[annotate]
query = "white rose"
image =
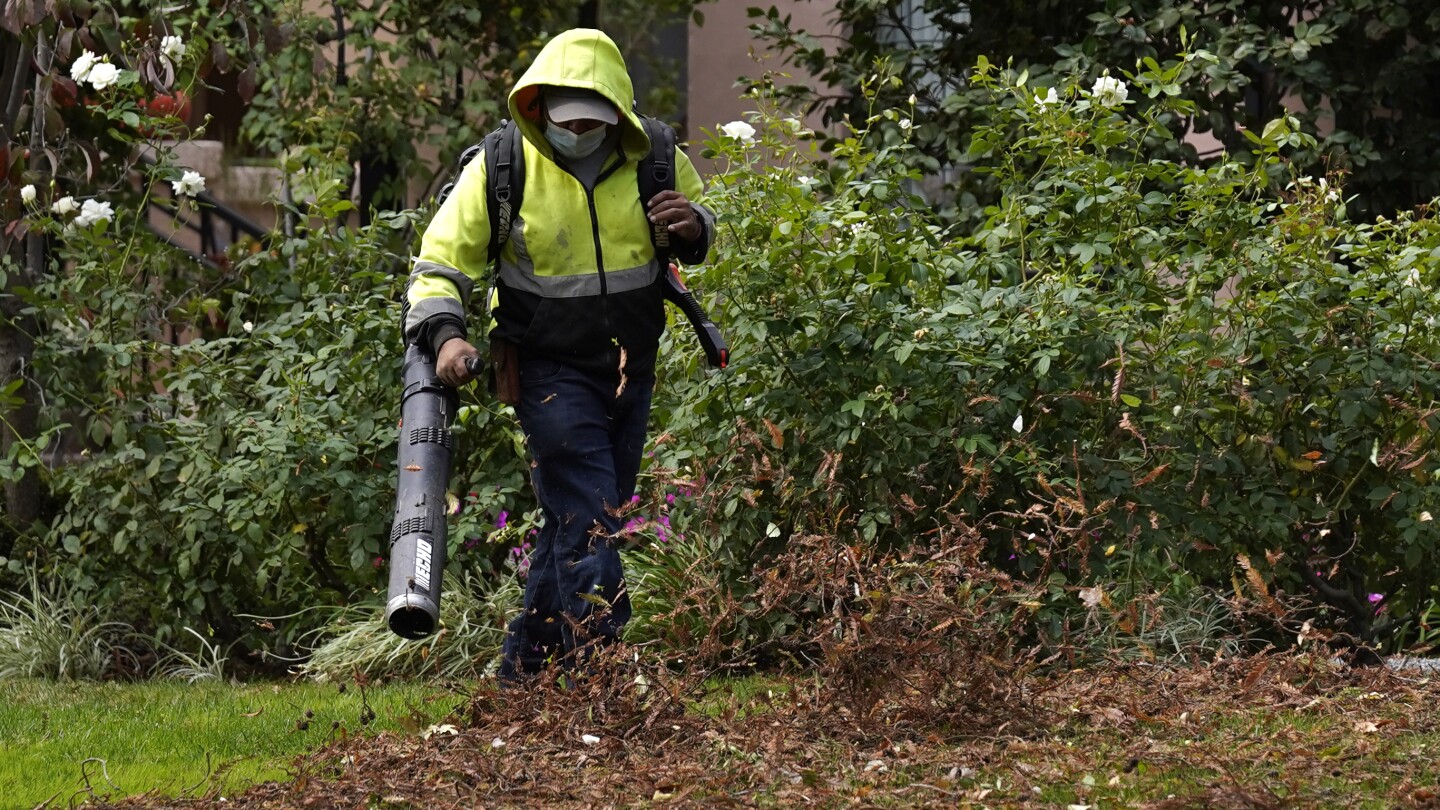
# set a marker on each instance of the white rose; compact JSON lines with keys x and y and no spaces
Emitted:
{"x":189,"y":184}
{"x":173,"y":47}
{"x":1048,"y":99}
{"x":1109,"y":91}
{"x":64,"y":206}
{"x":27,"y":195}
{"x":740,"y":131}
{"x":103,"y":75}
{"x":80,"y":69}
{"x":94,"y":211}
{"x":905,"y":123}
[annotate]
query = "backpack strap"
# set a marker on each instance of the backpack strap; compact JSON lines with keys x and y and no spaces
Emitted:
{"x":504,"y":183}
{"x":656,"y":174}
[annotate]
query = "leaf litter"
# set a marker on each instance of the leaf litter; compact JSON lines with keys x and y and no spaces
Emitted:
{"x":914,"y":685}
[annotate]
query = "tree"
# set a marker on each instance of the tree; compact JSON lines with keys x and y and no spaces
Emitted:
{"x":1358,"y":74}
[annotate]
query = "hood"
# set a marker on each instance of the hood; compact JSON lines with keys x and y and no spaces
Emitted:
{"x":587,"y":59}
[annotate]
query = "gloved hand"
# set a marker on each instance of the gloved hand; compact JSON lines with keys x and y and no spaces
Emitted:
{"x":673,"y":209}
{"x":450,"y":364}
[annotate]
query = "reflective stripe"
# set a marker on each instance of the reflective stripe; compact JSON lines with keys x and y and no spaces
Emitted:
{"x":579,"y":285}
{"x":429,"y":307}
{"x":462,"y":282}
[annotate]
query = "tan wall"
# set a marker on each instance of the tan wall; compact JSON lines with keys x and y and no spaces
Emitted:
{"x":722,"y":50}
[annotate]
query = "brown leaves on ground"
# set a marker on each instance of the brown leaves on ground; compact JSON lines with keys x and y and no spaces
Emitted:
{"x":1272,"y":732}
{"x":911,"y":688}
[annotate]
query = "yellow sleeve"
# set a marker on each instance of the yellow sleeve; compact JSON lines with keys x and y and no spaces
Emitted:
{"x":454,"y":252}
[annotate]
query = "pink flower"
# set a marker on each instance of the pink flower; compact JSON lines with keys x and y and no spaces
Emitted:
{"x":502,"y":519}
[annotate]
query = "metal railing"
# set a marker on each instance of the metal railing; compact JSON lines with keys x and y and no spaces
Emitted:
{"x":216,"y":226}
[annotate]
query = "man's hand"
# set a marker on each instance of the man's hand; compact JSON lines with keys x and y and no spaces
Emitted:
{"x":673,"y":209}
{"x":450,"y":365}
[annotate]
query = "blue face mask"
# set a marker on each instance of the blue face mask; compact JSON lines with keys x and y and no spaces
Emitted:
{"x":568,"y":144}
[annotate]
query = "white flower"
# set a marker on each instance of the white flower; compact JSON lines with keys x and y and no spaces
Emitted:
{"x":1175,"y":411}
{"x":103,"y":75}
{"x":248,"y":326}
{"x":1412,"y":278}
{"x":912,"y":99}
{"x":64,"y":206}
{"x":740,"y":131}
{"x":80,"y":69}
{"x":1426,"y":517}
{"x":94,"y":211}
{"x":1109,"y":91}
{"x":1330,"y":195}
{"x":589,"y":739}
{"x":1049,"y":98}
{"x":497,"y":743}
{"x":172,"y":47}
{"x":189,"y":184}
{"x":794,"y":124}
{"x":905,"y":123}
{"x":27,"y":194}
{"x":1019,"y":424}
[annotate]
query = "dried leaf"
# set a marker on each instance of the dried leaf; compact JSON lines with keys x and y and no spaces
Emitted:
{"x":777,"y":436}
{"x":245,"y":85}
{"x":1152,"y":475}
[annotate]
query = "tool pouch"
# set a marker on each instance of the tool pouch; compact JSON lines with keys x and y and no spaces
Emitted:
{"x":505,"y":372}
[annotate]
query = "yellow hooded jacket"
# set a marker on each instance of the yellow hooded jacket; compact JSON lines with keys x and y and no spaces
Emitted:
{"x":577,"y":277}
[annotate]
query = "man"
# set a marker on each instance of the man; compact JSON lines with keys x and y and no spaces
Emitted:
{"x":580,"y":308}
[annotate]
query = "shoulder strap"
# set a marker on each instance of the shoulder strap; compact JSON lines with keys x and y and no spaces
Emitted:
{"x":656,"y":174}
{"x":504,"y":182}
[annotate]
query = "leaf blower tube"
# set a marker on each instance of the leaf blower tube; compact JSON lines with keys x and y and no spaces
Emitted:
{"x":417,"y":537}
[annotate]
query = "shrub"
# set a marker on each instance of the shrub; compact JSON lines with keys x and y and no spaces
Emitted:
{"x":1133,"y":372}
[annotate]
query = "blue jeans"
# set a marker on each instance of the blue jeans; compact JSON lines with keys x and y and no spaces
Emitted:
{"x":585,"y":445}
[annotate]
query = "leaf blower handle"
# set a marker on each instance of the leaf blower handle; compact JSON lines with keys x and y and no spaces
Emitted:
{"x":717,"y":351}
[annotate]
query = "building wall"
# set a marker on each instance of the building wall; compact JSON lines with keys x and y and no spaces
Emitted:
{"x":722,"y":50}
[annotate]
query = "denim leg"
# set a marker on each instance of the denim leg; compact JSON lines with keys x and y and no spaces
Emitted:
{"x":585,"y":446}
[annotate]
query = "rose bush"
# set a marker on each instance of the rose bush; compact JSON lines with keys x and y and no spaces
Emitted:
{"x":1133,"y":375}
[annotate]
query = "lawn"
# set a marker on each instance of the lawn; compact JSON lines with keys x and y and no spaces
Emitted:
{"x":61,"y":741}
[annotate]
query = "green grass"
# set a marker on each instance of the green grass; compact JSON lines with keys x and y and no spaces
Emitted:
{"x":182,"y":739}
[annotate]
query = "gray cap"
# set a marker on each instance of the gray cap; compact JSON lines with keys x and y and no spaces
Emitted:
{"x":572,"y":104}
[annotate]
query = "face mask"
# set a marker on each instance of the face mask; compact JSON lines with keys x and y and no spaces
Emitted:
{"x":573,"y":146}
